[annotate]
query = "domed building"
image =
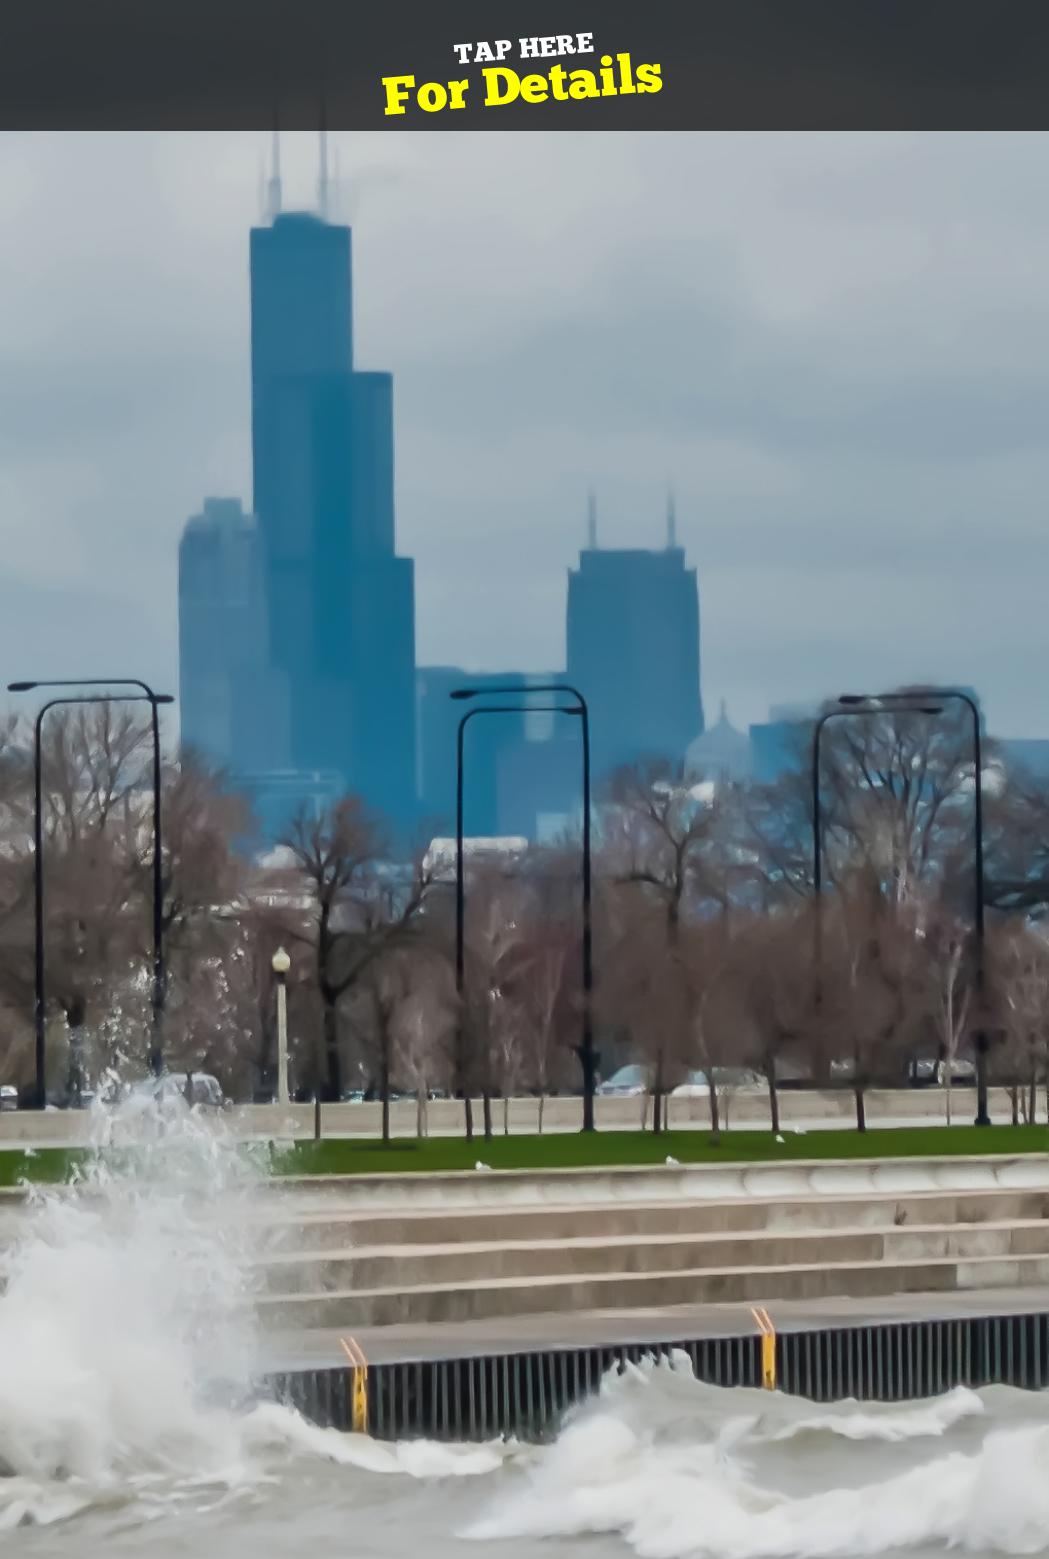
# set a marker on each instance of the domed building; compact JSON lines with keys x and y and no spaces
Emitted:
{"x":720,"y":753}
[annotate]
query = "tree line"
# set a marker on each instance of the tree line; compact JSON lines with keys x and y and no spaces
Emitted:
{"x":711,"y":952}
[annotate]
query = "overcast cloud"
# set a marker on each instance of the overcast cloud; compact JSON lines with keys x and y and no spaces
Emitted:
{"x":835,"y":347}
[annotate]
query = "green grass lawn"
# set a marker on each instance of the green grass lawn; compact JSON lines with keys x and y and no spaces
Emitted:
{"x":42,"y":1166}
{"x":346,"y":1156}
{"x":574,"y":1150}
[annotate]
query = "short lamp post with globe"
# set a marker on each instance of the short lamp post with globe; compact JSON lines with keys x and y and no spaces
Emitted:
{"x":281,"y":964}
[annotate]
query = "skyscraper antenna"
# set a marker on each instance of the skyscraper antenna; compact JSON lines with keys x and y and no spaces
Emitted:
{"x":591,"y":522}
{"x":322,"y":180}
{"x":671,"y":521}
{"x":275,"y":194}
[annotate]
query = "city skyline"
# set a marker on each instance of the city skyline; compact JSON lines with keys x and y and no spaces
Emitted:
{"x":297,"y":620}
{"x":110,"y":389}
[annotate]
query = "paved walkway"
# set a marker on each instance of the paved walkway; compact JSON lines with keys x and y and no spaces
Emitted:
{"x":805,"y":1110}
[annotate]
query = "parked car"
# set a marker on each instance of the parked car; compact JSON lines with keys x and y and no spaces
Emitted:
{"x":962,"y":1070}
{"x":697,"y":1084}
{"x":924,"y":1072}
{"x":628,"y":1083}
{"x":8,"y":1097}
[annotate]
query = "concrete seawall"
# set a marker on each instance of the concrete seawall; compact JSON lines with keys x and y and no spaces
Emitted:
{"x":524,"y":1389}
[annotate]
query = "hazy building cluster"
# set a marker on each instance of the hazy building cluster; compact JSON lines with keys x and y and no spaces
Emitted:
{"x":297,"y":620}
{"x":298,"y":671}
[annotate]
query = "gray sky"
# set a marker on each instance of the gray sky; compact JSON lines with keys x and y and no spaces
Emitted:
{"x":835,"y":346}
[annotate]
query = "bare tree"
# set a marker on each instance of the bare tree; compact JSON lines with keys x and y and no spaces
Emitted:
{"x":92,"y":773}
{"x":665,"y":837}
{"x":644,"y":987}
{"x":872,"y":979}
{"x":702,"y":955}
{"x":664,"y":840}
{"x":773,"y":978}
{"x":1019,"y":960}
{"x":423,"y":1028}
{"x":499,"y":907}
{"x":359,"y":909}
{"x":543,"y":1005}
{"x":951,"y":1007}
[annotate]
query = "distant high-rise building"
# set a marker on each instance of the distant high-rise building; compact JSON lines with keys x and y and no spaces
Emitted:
{"x":514,"y":766}
{"x":221,"y":636}
{"x":780,"y":745}
{"x":334,"y":623}
{"x":633,"y":650}
{"x":539,"y":783}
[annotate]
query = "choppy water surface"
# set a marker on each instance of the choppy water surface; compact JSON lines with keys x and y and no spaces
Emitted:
{"x":126,"y":1424}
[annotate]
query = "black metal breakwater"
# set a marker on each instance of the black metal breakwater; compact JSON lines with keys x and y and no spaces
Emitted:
{"x":525,"y":1395}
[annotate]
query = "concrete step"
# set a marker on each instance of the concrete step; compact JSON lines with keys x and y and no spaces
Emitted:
{"x":286,"y":1230}
{"x":406,"y":1305}
{"x":788,"y":1180}
{"x":371,"y":1267}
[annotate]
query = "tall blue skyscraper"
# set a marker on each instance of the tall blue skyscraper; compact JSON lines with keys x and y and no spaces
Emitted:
{"x":633,"y":650}
{"x":336,"y":611}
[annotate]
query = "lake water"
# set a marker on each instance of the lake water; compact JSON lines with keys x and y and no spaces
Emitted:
{"x":127,"y":1424}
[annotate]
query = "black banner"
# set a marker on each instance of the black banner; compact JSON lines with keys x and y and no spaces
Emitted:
{"x":598,"y":65}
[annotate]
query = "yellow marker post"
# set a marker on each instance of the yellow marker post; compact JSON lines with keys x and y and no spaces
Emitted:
{"x":358,"y":1384}
{"x":768,"y":1348}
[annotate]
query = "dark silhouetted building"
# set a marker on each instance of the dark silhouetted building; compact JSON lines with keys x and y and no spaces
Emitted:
{"x":633,"y":651}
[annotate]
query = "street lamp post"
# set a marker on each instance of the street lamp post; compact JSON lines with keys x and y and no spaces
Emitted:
{"x":39,"y":982}
{"x":460,"y":873}
{"x":159,"y":991}
{"x":281,"y":964}
{"x":851,"y":700}
{"x":587,"y":1057}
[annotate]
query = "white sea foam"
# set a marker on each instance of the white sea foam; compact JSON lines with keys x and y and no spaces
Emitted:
{"x":859,"y":1421}
{"x":128,"y":1342}
{"x":125,"y":1301}
{"x":675,"y":1483}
